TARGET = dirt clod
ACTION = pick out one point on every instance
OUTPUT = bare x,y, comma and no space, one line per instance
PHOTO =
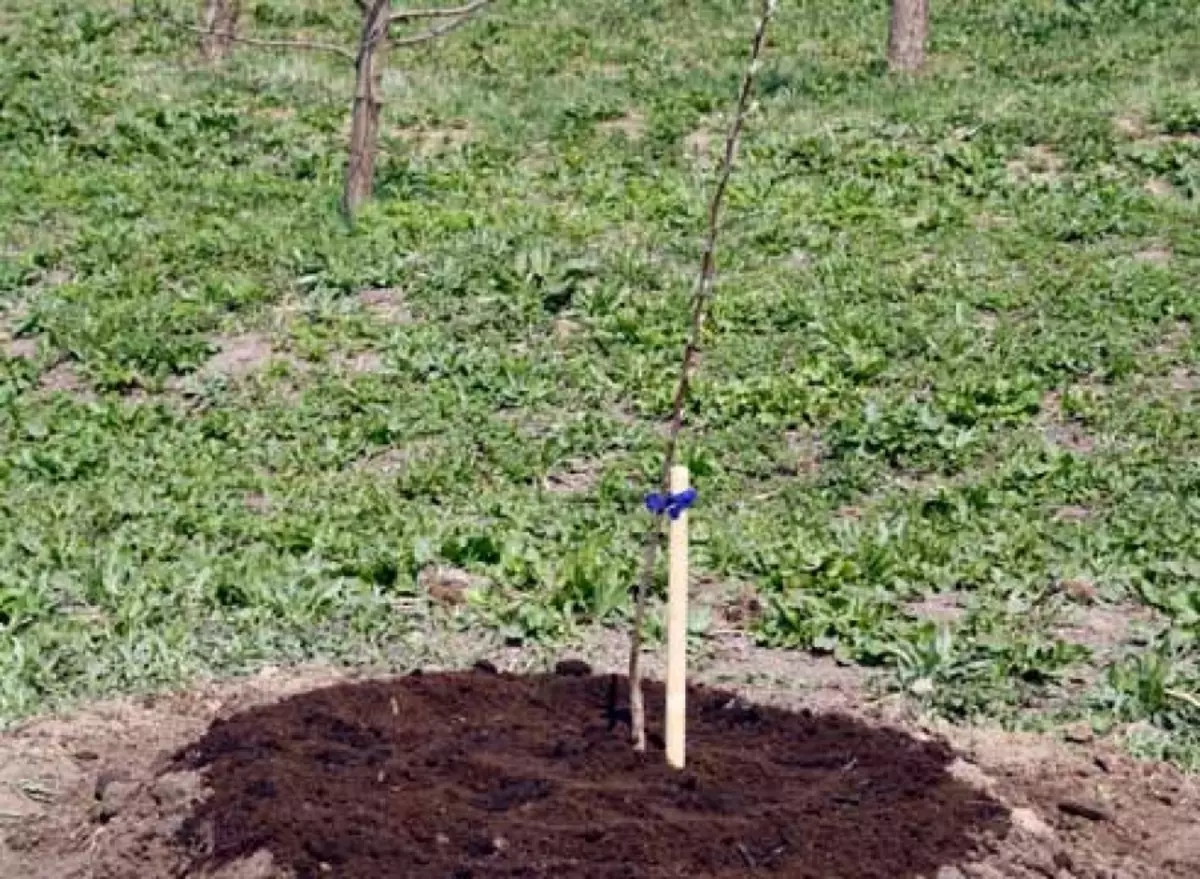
110,779
1079,734
446,585
115,789
176,790
1080,809
575,668
1032,823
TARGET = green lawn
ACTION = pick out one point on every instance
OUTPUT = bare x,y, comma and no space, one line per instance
952,359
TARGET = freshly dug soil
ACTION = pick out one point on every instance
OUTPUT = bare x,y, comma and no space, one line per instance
475,774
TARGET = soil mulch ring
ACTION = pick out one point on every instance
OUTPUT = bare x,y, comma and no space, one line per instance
479,774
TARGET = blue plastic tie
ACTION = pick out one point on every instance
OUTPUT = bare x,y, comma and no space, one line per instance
671,504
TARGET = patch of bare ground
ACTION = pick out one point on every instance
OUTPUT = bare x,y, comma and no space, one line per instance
1081,810
1155,255
1072,513
1036,164
1177,335
1061,430
258,502
282,316
1166,139
384,304
564,329
805,451
735,607
1159,187
1131,125
64,378
431,140
394,460
277,114
799,260
387,304
1170,348
97,771
631,125
987,320
13,344
96,794
24,348
1184,378
574,477
359,362
238,356
54,277
240,361
943,608
447,585
785,677
535,425
62,375
924,483
1105,629
1173,343
989,220
702,144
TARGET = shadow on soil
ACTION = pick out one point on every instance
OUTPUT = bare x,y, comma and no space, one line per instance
477,774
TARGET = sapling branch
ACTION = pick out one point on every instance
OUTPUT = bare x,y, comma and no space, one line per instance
462,15
700,300
307,45
444,12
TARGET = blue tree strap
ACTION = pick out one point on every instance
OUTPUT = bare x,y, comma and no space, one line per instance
671,504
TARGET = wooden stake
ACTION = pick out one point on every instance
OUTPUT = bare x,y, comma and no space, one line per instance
677,627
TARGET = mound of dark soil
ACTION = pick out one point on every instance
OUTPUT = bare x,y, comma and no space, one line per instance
484,775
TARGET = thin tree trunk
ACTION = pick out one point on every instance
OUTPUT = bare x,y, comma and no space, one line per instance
907,34
218,22
368,101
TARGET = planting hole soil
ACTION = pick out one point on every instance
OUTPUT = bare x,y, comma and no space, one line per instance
486,775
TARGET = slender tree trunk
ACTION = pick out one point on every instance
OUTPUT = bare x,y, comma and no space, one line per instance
907,34
218,20
368,100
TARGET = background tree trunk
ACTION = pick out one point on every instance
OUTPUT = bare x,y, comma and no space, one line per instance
218,19
907,34
368,99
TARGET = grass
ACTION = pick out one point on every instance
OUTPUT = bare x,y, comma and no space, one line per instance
952,357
